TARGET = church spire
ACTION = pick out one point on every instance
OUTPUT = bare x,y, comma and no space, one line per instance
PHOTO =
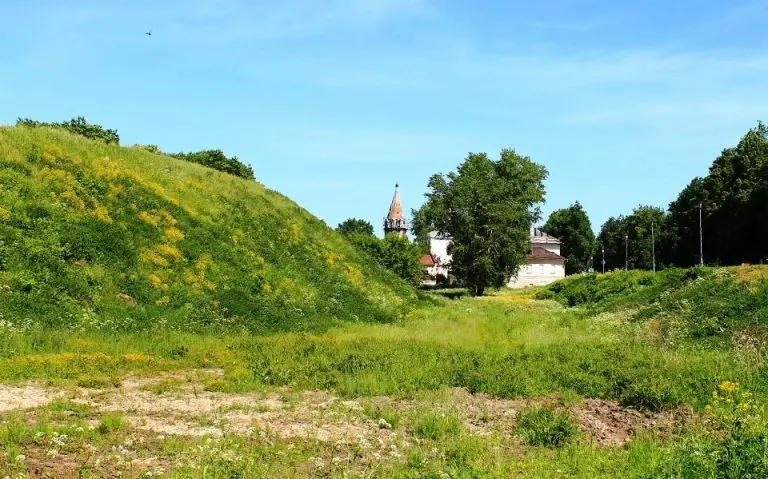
395,221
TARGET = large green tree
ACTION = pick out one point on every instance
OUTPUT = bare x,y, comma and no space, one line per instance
571,225
487,208
354,225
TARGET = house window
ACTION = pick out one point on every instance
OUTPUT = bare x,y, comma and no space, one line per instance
554,269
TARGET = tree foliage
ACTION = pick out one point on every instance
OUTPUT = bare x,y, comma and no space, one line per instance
733,199
354,225
632,236
487,208
217,160
78,126
571,225
394,252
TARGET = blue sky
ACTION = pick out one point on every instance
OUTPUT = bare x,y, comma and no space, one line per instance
333,102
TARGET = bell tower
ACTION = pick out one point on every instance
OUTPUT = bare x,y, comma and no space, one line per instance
395,221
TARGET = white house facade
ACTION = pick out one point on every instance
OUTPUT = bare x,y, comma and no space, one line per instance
437,262
544,263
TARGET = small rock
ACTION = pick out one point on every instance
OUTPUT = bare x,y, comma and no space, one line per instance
126,299
383,424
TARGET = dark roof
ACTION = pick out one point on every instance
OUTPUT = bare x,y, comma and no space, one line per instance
427,260
541,253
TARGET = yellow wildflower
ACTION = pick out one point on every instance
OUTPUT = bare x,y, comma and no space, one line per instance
203,262
72,197
295,233
729,387
149,256
102,214
169,250
157,282
173,234
149,219
136,358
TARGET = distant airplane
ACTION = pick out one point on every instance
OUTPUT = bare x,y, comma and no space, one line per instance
149,32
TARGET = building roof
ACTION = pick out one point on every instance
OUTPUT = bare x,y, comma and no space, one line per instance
427,260
538,236
539,253
396,208
436,235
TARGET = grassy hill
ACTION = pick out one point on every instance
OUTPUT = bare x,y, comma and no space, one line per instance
697,305
101,236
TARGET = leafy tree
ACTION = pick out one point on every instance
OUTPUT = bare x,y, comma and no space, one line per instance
571,225
394,252
487,208
401,256
78,126
354,225
217,160
632,235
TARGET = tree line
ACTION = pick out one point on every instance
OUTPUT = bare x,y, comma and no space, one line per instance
214,158
729,206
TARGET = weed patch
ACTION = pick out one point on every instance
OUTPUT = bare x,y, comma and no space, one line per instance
545,426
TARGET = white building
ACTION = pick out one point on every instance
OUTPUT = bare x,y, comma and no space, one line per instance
437,262
544,264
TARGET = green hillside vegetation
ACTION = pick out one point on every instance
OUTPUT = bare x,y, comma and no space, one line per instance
93,235
700,305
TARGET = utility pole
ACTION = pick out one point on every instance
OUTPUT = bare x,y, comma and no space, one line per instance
701,239
626,252
603,248
653,247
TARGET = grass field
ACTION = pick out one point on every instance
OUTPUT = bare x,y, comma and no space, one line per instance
161,319
503,386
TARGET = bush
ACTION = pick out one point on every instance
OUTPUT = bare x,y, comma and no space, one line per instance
78,126
217,160
545,426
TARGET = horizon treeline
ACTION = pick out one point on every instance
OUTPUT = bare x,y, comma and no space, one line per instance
729,205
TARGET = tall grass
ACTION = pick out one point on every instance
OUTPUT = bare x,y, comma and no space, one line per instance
96,236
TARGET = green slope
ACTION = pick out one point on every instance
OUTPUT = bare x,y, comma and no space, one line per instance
95,235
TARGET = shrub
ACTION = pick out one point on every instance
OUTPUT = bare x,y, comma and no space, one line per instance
217,160
78,126
545,426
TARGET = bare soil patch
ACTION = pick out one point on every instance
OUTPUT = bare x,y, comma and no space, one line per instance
189,410
27,397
